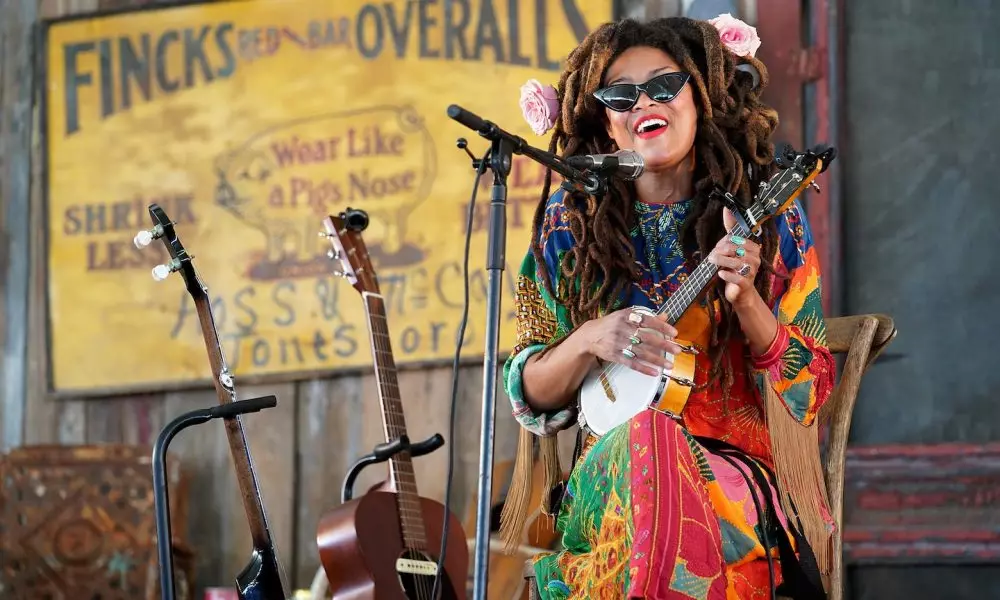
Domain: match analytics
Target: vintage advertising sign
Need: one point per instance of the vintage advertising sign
(249, 122)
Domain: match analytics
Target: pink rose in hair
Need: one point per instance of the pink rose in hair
(740, 38)
(540, 105)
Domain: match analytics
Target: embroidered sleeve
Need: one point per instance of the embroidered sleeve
(799, 362)
(541, 320)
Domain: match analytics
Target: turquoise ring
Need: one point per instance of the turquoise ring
(740, 251)
(736, 239)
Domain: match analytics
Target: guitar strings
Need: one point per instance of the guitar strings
(402, 470)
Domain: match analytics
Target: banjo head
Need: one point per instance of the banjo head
(614, 394)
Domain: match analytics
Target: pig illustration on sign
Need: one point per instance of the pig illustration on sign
(284, 180)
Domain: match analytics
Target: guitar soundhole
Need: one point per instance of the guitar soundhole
(415, 570)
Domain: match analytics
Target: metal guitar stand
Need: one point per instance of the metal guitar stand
(382, 453)
(161, 497)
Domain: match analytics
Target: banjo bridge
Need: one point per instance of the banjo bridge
(606, 384)
(681, 381)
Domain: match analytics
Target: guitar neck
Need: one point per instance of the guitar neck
(394, 424)
(243, 463)
(693, 286)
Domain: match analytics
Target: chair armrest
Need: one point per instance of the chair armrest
(528, 572)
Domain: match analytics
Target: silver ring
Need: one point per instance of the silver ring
(627, 351)
(744, 270)
(635, 317)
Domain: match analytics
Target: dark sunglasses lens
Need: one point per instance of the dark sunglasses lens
(619, 97)
(665, 87)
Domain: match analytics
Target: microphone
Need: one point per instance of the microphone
(627, 164)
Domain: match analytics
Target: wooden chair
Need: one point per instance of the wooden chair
(862, 338)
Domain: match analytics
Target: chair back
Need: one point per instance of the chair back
(862, 338)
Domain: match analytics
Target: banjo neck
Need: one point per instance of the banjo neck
(689, 291)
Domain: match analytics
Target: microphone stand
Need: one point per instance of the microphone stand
(503, 146)
(161, 497)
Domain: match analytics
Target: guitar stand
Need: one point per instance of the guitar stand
(382, 453)
(161, 499)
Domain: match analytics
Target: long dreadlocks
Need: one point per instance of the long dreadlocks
(732, 148)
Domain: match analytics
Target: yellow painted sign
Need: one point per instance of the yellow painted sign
(249, 122)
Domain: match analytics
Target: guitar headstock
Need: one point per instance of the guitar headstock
(796, 172)
(180, 259)
(348, 249)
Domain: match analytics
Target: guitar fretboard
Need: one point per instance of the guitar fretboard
(693, 286)
(394, 424)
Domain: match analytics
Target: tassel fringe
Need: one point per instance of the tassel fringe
(549, 453)
(515, 507)
(799, 470)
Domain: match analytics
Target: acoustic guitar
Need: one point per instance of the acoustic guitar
(262, 578)
(612, 395)
(385, 544)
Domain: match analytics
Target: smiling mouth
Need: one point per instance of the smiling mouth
(650, 125)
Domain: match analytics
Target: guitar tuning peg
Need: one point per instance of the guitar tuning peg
(142, 239)
(815, 186)
(161, 272)
(333, 254)
(324, 234)
(146, 236)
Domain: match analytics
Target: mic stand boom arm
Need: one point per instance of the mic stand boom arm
(503, 146)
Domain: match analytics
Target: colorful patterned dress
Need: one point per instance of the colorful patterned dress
(649, 512)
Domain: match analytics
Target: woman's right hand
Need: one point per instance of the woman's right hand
(607, 336)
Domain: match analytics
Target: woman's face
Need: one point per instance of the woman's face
(663, 133)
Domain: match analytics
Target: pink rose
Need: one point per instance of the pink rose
(540, 105)
(740, 38)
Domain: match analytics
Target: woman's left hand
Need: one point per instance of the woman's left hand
(738, 260)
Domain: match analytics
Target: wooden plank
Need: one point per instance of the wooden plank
(46, 421)
(16, 30)
(104, 420)
(142, 419)
(329, 441)
(133, 420)
(271, 440)
(426, 401)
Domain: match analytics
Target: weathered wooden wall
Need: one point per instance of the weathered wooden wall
(302, 448)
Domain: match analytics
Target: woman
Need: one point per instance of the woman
(658, 507)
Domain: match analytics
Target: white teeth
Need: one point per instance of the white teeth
(649, 124)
